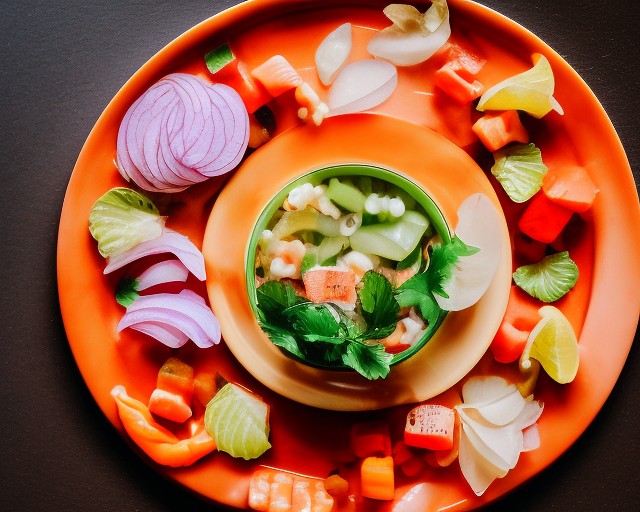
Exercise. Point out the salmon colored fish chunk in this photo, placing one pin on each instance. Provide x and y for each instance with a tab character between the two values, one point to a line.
330	285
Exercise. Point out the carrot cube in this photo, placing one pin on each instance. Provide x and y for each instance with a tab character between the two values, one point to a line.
570	187
458	82
430	426
498	130
376	478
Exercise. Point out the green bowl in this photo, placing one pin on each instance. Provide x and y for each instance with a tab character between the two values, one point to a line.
318	176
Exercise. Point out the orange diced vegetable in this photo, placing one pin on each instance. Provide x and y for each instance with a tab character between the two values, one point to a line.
458	82
571	187
371	438
430	426
498	130
272	490
452	52
277	75
157	442
520	317
337	487
376	478
544	220
204	387
444	458
172	397
236	75
330	285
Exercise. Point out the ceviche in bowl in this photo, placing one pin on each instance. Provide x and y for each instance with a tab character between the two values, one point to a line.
332	263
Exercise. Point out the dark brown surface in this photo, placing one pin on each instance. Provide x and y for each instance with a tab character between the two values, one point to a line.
61	62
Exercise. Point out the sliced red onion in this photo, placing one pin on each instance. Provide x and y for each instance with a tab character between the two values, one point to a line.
362	85
168	242
170	271
181	131
165	333
161	314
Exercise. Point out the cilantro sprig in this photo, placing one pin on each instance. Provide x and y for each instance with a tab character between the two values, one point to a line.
323	334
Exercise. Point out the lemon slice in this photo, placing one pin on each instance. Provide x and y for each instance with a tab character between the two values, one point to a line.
530	91
554	345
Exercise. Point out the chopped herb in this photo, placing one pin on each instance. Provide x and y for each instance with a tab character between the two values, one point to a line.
126	291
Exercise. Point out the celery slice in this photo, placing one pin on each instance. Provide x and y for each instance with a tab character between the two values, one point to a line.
520	170
549	279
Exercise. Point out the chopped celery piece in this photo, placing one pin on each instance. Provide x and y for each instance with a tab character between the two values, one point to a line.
520	170
345	195
549	279
325	254
394	240
218	58
305	220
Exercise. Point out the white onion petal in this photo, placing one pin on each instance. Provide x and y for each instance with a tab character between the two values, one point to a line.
181	131
416	498
362	85
332	53
168	242
185	311
169	271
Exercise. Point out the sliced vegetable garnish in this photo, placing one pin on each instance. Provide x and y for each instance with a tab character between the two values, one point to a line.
493	418
332	53
218	58
554	345
169	271
168	242
413	37
362	85
181	131
530	91
121	219
520	170
549	279
238	421
185	312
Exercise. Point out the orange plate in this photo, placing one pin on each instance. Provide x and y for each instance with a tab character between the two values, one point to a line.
603	306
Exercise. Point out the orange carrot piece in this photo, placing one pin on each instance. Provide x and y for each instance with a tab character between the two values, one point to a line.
337	487
544	220
430	426
520	317
204	387
174	388
571	187
170	406
330	285
370	438
497	130
236	75
458	82
277	75
376	478
157	442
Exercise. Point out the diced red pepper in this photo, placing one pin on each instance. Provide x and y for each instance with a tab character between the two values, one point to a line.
498	130
520	317
570	187
544	220
430	426
371	438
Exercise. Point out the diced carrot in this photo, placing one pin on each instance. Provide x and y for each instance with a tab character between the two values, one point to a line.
156	441
174	388
520	317
453	52
330	285
337	487
370	438
170	406
498	130
458	82
571	187
272	490
237	76
377	479
544	220
204	387
430	426
277	75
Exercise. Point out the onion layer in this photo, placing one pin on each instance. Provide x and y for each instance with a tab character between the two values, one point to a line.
181	131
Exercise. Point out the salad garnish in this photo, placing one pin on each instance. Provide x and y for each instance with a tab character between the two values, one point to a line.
520	170
549	279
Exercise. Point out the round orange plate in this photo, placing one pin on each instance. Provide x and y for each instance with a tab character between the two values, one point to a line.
603	307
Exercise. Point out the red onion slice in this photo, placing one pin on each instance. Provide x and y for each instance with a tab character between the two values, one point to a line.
185	311
164	333
168	242
169	271
181	131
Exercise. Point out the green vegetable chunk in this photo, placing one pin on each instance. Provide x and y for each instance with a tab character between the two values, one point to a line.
346	196
519	169
218	58
121	219
549	279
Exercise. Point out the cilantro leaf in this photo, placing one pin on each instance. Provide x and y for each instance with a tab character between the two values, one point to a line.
273	297
379	305
313	322
127	291
417	292
370	361
282	338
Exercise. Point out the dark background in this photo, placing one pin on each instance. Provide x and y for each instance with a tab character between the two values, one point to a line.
60	63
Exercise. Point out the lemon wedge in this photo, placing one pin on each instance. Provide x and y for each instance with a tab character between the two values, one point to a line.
530	91
554	345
